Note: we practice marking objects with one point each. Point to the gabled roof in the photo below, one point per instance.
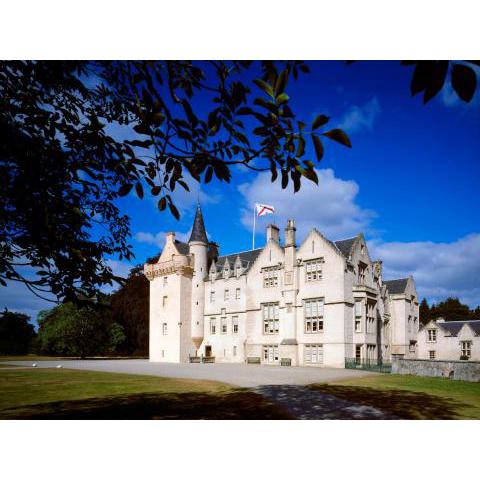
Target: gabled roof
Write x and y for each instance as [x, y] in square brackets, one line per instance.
[182, 248]
[455, 326]
[247, 258]
[345, 246]
[396, 286]
[199, 233]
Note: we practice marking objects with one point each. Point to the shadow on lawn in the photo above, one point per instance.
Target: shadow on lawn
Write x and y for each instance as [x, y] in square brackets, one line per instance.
[403, 404]
[238, 405]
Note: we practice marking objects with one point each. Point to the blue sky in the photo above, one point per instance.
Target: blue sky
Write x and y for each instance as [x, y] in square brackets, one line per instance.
[410, 183]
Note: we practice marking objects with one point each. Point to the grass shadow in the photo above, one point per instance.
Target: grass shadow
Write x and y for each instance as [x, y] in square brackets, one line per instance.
[403, 404]
[237, 405]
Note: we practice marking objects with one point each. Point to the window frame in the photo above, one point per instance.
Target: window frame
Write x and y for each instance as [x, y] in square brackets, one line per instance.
[313, 322]
[314, 269]
[271, 318]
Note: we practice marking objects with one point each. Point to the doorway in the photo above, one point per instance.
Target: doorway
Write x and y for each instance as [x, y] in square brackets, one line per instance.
[208, 351]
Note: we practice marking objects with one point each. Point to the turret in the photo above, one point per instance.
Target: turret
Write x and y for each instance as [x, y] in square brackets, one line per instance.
[198, 246]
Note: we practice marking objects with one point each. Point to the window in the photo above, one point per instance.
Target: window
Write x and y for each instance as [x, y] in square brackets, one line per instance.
[370, 317]
[409, 323]
[234, 350]
[165, 281]
[213, 325]
[238, 270]
[432, 335]
[431, 354]
[358, 353]
[163, 353]
[371, 353]
[212, 296]
[270, 276]
[270, 318]
[164, 329]
[237, 294]
[314, 353]
[362, 268]
[226, 294]
[362, 249]
[413, 346]
[466, 349]
[234, 324]
[313, 270]
[270, 353]
[314, 315]
[223, 325]
[358, 316]
[164, 302]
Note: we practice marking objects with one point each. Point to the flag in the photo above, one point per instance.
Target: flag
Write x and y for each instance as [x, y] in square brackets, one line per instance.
[263, 209]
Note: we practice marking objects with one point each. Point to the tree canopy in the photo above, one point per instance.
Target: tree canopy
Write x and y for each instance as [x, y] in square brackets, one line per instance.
[451, 309]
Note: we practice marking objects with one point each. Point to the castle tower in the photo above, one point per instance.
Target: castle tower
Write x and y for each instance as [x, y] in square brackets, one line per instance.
[198, 245]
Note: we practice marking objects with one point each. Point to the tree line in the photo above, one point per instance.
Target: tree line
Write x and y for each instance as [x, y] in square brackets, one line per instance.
[115, 325]
[450, 309]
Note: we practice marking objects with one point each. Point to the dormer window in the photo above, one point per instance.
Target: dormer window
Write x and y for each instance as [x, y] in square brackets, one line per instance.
[226, 272]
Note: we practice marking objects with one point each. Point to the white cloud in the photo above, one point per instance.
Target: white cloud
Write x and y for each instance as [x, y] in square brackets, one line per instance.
[158, 239]
[361, 118]
[330, 206]
[119, 269]
[440, 269]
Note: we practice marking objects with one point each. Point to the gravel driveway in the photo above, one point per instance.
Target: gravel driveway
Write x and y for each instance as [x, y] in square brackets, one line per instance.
[234, 374]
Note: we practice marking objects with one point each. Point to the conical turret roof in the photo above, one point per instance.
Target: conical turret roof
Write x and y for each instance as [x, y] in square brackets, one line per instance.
[198, 231]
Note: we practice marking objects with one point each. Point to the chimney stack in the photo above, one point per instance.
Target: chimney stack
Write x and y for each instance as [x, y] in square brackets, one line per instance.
[273, 233]
[290, 234]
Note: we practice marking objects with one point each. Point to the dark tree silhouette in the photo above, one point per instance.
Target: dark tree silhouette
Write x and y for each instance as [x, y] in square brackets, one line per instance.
[16, 333]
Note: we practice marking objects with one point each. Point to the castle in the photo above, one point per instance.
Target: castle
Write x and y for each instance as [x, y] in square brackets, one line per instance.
[316, 303]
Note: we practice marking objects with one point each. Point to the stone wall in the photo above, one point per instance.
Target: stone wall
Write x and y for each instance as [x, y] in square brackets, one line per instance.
[455, 370]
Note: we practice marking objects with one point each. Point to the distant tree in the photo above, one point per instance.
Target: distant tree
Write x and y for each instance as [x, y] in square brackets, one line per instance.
[72, 331]
[129, 308]
[117, 338]
[424, 312]
[451, 309]
[16, 333]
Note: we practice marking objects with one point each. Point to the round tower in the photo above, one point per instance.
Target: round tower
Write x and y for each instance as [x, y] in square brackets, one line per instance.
[198, 246]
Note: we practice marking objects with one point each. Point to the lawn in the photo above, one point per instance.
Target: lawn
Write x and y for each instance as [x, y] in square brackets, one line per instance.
[411, 397]
[73, 394]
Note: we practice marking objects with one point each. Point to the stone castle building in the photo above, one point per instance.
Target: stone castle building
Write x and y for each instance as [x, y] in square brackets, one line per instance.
[314, 302]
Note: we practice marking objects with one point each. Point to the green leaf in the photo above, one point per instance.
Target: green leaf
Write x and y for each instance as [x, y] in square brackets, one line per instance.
[125, 189]
[300, 147]
[310, 174]
[264, 86]
[281, 83]
[174, 210]
[464, 81]
[162, 203]
[317, 143]
[208, 174]
[319, 121]
[339, 136]
[139, 190]
[282, 98]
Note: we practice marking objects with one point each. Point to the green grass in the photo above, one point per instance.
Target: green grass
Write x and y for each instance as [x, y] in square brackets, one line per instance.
[28, 357]
[75, 394]
[411, 397]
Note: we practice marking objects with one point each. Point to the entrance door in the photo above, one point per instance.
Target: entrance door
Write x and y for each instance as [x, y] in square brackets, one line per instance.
[208, 351]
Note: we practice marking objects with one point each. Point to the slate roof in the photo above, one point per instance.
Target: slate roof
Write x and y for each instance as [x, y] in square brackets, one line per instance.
[247, 258]
[396, 286]
[455, 326]
[199, 233]
[182, 248]
[345, 246]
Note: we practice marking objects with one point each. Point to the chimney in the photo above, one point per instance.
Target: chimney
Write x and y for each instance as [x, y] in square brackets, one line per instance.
[290, 234]
[440, 320]
[273, 233]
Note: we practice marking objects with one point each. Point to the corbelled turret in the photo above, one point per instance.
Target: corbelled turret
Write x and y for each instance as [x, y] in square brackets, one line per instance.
[198, 245]
[198, 231]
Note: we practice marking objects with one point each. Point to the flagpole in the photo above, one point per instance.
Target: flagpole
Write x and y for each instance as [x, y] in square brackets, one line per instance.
[253, 234]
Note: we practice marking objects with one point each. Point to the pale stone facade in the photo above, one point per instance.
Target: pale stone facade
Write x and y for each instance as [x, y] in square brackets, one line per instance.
[317, 303]
[453, 340]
